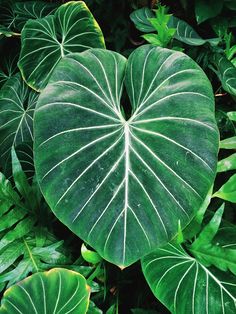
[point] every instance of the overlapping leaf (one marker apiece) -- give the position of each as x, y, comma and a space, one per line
45, 41
183, 284
209, 253
226, 72
31, 10
56, 291
123, 185
184, 32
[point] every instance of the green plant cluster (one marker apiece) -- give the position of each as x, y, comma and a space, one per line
117, 157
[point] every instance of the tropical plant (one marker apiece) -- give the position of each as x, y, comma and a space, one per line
122, 156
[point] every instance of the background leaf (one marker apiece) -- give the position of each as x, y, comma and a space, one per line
17, 103
45, 41
205, 10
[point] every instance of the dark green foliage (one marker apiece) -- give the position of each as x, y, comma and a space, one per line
195, 271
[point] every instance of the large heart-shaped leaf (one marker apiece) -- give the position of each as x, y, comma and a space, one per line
184, 285
56, 291
17, 103
123, 185
45, 41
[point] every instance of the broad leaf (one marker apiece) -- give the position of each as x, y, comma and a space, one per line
205, 10
56, 291
17, 103
45, 41
184, 32
122, 185
226, 73
228, 190
182, 283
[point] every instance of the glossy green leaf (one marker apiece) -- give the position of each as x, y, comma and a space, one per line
228, 163
182, 283
56, 291
90, 256
228, 190
184, 32
46, 41
122, 185
226, 73
17, 103
205, 10
228, 143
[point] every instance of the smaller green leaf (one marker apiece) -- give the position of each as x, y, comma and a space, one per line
90, 256
210, 230
209, 253
226, 164
205, 10
56, 291
152, 39
232, 115
228, 191
228, 143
